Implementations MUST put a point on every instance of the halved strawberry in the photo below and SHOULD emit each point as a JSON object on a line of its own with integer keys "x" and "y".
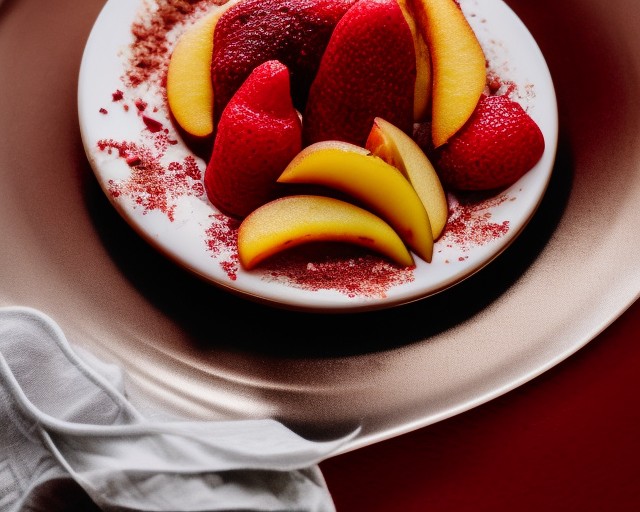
{"x": 496, "y": 147}
{"x": 368, "y": 70}
{"x": 258, "y": 135}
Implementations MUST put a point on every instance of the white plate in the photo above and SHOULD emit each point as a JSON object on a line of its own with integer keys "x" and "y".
{"x": 173, "y": 214}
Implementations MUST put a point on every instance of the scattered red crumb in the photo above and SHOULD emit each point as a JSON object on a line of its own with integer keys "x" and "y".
{"x": 152, "y": 185}
{"x": 150, "y": 48}
{"x": 340, "y": 268}
{"x": 133, "y": 160}
{"x": 222, "y": 241}
{"x": 103, "y": 111}
{"x": 153, "y": 125}
{"x": 118, "y": 95}
{"x": 470, "y": 225}
{"x": 493, "y": 82}
{"x": 141, "y": 105}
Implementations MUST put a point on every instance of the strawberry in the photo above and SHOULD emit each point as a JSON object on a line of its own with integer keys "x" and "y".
{"x": 259, "y": 133}
{"x": 295, "y": 32}
{"x": 497, "y": 146}
{"x": 368, "y": 70}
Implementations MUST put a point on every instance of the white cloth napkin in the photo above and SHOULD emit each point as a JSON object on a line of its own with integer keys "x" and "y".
{"x": 69, "y": 435}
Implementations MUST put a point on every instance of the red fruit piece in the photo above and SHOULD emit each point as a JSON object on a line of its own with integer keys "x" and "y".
{"x": 295, "y": 32}
{"x": 496, "y": 147}
{"x": 368, "y": 70}
{"x": 258, "y": 135}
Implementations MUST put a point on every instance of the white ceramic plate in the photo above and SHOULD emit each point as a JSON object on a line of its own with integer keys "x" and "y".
{"x": 154, "y": 179}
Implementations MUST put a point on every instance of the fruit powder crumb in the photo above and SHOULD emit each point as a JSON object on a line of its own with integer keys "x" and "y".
{"x": 152, "y": 185}
{"x": 151, "y": 47}
{"x": 470, "y": 223}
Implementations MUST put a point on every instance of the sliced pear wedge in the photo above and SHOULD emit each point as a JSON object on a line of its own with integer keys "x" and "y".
{"x": 294, "y": 220}
{"x": 377, "y": 185}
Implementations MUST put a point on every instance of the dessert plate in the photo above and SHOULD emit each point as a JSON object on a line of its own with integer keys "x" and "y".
{"x": 153, "y": 177}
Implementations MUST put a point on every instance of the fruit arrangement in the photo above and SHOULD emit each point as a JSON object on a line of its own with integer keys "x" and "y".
{"x": 379, "y": 107}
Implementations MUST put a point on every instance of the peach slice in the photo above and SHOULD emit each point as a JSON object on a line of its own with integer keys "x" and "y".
{"x": 398, "y": 149}
{"x": 294, "y": 220}
{"x": 459, "y": 65}
{"x": 379, "y": 186}
{"x": 189, "y": 88}
{"x": 422, "y": 90}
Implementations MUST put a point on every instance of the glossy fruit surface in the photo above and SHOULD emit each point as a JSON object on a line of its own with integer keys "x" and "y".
{"x": 398, "y": 149}
{"x": 295, "y": 32}
{"x": 422, "y": 89}
{"x": 369, "y": 180}
{"x": 498, "y": 145}
{"x": 294, "y": 220}
{"x": 189, "y": 87}
{"x": 367, "y": 70}
{"x": 459, "y": 64}
{"x": 258, "y": 135}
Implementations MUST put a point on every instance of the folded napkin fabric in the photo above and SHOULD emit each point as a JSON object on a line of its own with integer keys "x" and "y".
{"x": 70, "y": 435}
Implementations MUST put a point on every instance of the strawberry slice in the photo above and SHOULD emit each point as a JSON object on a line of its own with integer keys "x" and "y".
{"x": 496, "y": 147}
{"x": 258, "y": 135}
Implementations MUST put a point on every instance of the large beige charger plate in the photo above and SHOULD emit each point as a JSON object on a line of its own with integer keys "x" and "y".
{"x": 199, "y": 351}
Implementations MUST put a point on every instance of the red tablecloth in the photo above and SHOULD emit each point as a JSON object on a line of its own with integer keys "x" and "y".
{"x": 568, "y": 441}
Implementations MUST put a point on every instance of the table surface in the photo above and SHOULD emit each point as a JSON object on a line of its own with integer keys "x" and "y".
{"x": 567, "y": 440}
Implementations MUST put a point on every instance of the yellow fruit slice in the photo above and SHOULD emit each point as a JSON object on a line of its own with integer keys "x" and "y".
{"x": 458, "y": 64}
{"x": 294, "y": 220}
{"x": 376, "y": 184}
{"x": 398, "y": 149}
{"x": 422, "y": 90}
{"x": 189, "y": 88}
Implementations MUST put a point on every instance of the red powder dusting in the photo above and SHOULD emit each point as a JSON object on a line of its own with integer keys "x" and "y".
{"x": 496, "y": 85}
{"x": 511, "y": 87}
{"x": 344, "y": 269}
{"x": 222, "y": 239}
{"x": 150, "y": 48}
{"x": 470, "y": 225}
{"x": 152, "y": 185}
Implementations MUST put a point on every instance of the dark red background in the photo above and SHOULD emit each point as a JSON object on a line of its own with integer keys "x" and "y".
{"x": 567, "y": 440}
